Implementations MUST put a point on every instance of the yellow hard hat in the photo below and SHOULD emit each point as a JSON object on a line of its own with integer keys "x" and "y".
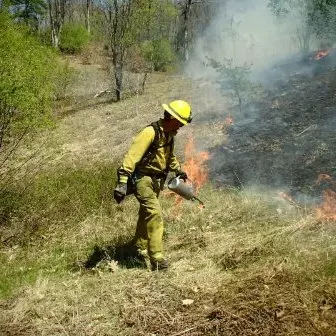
{"x": 180, "y": 110}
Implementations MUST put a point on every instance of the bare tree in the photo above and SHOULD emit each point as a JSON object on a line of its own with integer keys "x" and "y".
{"x": 88, "y": 13}
{"x": 183, "y": 34}
{"x": 118, "y": 16}
{"x": 195, "y": 16}
{"x": 124, "y": 22}
{"x": 56, "y": 17}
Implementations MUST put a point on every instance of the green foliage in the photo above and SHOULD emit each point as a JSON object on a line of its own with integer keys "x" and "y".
{"x": 235, "y": 79}
{"x": 153, "y": 19}
{"x": 29, "y": 11}
{"x": 280, "y": 8}
{"x": 74, "y": 38}
{"x": 26, "y": 81}
{"x": 44, "y": 36}
{"x": 318, "y": 16}
{"x": 322, "y": 19}
{"x": 128, "y": 24}
{"x": 159, "y": 53}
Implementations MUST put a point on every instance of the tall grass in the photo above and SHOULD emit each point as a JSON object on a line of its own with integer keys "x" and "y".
{"x": 41, "y": 218}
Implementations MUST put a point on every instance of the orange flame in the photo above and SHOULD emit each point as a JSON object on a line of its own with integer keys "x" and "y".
{"x": 194, "y": 164}
{"x": 327, "y": 209}
{"x": 325, "y": 178}
{"x": 195, "y": 167}
{"x": 286, "y": 197}
{"x": 228, "y": 120}
{"x": 322, "y": 53}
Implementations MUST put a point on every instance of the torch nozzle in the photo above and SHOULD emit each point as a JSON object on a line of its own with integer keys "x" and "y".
{"x": 200, "y": 202}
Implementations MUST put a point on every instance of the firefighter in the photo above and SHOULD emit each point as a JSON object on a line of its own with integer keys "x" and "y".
{"x": 144, "y": 168}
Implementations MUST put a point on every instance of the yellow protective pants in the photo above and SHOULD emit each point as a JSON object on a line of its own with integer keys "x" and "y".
{"x": 149, "y": 230}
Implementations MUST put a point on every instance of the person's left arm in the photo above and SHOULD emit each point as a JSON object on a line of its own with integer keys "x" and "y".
{"x": 174, "y": 166}
{"x": 173, "y": 163}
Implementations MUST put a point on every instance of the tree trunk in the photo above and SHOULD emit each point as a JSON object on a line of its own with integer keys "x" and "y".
{"x": 184, "y": 34}
{"x": 118, "y": 74}
{"x": 143, "y": 85}
{"x": 56, "y": 16}
{"x": 306, "y": 41}
{"x": 88, "y": 5}
{"x": 54, "y": 37}
{"x": 118, "y": 65}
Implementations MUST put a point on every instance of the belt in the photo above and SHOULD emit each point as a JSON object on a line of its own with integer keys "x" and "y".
{"x": 152, "y": 175}
{"x": 159, "y": 175}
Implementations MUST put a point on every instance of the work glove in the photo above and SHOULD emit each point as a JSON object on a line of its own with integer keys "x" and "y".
{"x": 182, "y": 175}
{"x": 120, "y": 192}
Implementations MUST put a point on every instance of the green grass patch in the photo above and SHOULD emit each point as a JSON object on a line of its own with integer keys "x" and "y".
{"x": 59, "y": 197}
{"x": 41, "y": 218}
{"x": 329, "y": 267}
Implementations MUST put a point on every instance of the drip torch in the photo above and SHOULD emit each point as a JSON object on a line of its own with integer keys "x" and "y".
{"x": 183, "y": 189}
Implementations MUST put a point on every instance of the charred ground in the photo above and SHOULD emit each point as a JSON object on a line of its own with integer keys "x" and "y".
{"x": 285, "y": 138}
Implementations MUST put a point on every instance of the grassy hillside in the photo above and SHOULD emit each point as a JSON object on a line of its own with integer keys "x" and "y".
{"x": 249, "y": 263}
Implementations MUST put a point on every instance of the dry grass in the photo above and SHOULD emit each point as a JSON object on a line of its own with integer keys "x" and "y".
{"x": 246, "y": 270}
{"x": 249, "y": 263}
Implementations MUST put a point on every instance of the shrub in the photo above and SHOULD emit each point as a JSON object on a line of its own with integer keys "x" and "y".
{"x": 26, "y": 82}
{"x": 235, "y": 80}
{"x": 65, "y": 75}
{"x": 159, "y": 53}
{"x": 74, "y": 38}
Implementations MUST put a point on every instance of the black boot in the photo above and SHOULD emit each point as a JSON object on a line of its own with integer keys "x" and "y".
{"x": 159, "y": 265}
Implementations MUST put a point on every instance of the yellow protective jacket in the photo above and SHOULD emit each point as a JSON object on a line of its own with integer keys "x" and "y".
{"x": 163, "y": 158}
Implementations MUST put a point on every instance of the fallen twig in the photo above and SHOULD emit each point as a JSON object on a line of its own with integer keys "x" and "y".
{"x": 187, "y": 330}
{"x": 102, "y": 92}
{"x": 305, "y": 130}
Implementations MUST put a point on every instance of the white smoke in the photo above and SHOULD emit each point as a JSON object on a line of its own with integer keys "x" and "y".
{"x": 248, "y": 33}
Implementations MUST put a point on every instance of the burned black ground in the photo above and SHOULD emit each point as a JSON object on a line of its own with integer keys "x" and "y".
{"x": 285, "y": 138}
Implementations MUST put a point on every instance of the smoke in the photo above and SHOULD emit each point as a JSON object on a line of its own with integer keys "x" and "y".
{"x": 248, "y": 33}
{"x": 276, "y": 139}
